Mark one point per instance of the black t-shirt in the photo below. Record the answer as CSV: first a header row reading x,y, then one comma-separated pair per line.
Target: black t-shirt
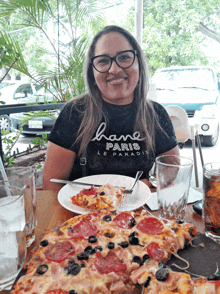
x,y
115,149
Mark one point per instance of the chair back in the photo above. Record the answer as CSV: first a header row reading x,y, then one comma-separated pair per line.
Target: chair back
x,y
180,123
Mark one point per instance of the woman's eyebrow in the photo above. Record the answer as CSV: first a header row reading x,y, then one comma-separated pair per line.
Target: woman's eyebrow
x,y
115,53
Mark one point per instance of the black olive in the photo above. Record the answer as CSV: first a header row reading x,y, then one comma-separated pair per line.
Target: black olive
x,y
191,232
98,248
111,245
162,274
161,264
74,269
147,282
44,243
133,240
88,250
214,277
179,222
133,222
42,269
109,235
114,212
71,261
82,265
72,292
70,229
123,244
137,259
132,234
92,239
94,250
107,218
82,256
146,257
102,193
186,242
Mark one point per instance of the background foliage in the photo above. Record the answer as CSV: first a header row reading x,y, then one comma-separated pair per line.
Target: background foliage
x,y
170,34
52,39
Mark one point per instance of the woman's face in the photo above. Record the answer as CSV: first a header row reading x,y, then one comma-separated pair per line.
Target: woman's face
x,y
116,85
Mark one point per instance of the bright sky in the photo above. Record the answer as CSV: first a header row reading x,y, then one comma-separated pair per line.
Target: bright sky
x,y
118,12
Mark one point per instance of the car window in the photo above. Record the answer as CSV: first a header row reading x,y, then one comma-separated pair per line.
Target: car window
x,y
185,78
25,88
37,87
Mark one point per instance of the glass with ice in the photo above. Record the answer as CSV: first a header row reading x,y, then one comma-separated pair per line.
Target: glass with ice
x,y
173,175
211,200
24,178
12,234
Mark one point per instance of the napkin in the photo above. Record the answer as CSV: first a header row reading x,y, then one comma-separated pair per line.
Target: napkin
x,y
194,195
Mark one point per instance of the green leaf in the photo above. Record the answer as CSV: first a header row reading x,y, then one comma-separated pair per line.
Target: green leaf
x,y
44,136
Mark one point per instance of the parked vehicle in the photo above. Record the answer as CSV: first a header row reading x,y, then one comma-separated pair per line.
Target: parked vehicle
x,y
14,90
197,90
10,93
37,125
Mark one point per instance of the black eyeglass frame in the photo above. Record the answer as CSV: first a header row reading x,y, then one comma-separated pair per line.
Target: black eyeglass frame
x,y
114,59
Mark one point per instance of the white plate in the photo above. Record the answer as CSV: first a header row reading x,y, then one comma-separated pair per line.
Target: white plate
x,y
131,202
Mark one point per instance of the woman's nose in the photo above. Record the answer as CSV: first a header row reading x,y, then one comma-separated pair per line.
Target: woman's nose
x,y
114,68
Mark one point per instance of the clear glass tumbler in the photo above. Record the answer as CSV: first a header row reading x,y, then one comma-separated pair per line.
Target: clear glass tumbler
x,y
24,178
12,234
173,175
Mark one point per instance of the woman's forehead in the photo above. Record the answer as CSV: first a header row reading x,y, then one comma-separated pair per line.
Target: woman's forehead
x,y
111,44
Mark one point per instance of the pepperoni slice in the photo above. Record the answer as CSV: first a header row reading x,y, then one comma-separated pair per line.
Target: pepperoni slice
x,y
109,263
123,220
150,225
83,229
90,191
59,251
57,291
155,252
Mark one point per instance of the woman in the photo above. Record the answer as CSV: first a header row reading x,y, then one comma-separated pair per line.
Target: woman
x,y
114,129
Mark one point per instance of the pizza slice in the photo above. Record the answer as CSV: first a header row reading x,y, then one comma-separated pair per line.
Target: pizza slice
x,y
104,197
105,252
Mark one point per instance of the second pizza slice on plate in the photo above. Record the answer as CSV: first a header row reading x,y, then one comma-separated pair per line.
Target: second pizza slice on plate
x,y
106,196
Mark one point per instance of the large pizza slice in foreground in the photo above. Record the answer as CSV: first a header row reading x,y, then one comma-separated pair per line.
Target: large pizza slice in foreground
x,y
109,252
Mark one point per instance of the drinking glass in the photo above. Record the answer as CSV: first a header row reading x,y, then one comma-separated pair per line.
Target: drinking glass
x,y
12,234
24,178
173,175
211,200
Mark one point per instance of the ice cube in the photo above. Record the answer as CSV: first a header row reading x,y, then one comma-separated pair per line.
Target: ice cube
x,y
8,268
8,245
12,217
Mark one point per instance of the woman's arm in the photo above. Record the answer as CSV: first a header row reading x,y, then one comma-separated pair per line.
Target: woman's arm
x,y
174,151
58,165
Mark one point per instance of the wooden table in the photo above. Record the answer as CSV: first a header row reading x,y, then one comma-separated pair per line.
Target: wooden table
x,y
50,214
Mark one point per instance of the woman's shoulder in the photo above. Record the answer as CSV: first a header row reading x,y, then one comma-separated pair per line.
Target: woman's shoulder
x,y
77,104
157,106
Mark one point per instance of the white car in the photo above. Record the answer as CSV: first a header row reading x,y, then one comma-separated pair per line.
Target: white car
x,y
197,90
10,93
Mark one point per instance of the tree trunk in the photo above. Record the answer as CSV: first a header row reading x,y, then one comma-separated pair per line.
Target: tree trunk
x,y
209,33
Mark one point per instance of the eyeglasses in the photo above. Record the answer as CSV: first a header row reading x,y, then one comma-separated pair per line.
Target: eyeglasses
x,y
124,59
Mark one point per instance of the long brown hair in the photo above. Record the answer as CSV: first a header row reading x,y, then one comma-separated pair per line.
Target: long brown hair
x,y
93,111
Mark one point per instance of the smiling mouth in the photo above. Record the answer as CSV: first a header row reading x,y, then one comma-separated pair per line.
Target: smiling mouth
x,y
116,81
